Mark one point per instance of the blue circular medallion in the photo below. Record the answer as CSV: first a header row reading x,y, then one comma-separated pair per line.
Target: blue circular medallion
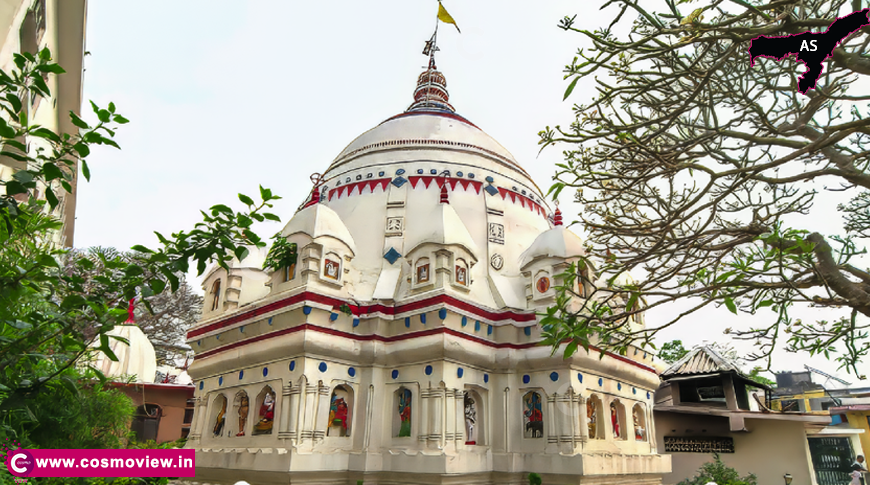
x,y
242,329
350,370
356,322
220,381
400,171
618,386
459,174
428,370
265,371
600,381
554,376
459,372
580,377
489,330
464,321
322,367
527,331
526,379
477,325
647,395
292,365
634,390
486,378
395,374
408,322
200,385
241,374
306,310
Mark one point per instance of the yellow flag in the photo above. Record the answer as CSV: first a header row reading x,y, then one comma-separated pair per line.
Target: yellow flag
x,y
445,17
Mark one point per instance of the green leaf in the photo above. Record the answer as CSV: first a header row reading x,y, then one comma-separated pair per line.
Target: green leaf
x,y
570,349
765,303
50,197
82,149
86,171
570,88
111,107
46,133
120,119
104,115
246,200
271,217
51,171
78,121
729,302
15,101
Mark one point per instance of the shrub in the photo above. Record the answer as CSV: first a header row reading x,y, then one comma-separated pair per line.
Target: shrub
x,y
721,474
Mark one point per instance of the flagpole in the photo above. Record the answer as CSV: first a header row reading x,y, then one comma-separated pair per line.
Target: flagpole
x,y
432,57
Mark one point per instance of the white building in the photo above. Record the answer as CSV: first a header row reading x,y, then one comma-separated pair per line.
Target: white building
x,y
30,26
443,250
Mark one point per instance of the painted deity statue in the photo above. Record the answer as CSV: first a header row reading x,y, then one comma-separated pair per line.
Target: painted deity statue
x,y
221,418
592,414
405,413
534,416
243,414
267,415
338,410
614,420
470,419
639,432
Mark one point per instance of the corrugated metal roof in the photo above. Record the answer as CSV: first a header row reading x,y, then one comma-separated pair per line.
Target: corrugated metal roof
x,y
702,360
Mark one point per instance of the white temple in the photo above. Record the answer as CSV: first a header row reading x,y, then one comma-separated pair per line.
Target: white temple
x,y
443,250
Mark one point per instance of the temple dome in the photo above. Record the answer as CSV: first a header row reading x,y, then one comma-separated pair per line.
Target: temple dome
x,y
138,358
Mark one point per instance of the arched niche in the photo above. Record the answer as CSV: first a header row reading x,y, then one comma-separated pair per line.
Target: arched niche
x,y
402,412
533,415
215,295
239,417
332,267
340,411
460,273
265,406
475,418
617,420
594,416
638,417
422,271
218,416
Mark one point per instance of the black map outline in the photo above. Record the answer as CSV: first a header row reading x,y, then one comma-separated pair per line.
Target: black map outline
x,y
776,42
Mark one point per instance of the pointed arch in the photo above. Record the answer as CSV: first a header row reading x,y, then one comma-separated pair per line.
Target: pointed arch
x,y
594,423
340,411
241,408
265,406
617,420
638,417
533,415
403,401
218,415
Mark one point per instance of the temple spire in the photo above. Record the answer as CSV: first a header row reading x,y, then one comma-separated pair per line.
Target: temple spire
x,y
431,92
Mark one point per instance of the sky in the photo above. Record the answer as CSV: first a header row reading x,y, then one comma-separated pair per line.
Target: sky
x,y
226,96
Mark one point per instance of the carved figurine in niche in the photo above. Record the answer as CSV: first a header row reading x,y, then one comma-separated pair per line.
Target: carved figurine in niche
x,y
243,414
470,419
533,416
423,273
404,413
614,419
338,415
221,418
267,415
592,414
330,269
461,275
639,432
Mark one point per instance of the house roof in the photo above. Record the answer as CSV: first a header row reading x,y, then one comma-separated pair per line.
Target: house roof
x,y
701,360
705,361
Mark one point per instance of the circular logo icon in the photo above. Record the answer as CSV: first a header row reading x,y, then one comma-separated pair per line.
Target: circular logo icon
x,y
20,463
543,284
497,261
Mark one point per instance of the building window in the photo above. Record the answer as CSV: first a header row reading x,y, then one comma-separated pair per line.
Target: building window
x,y
146,422
289,272
533,415
216,295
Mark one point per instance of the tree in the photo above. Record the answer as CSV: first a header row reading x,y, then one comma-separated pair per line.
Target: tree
x,y
719,473
46,309
672,351
173,313
700,173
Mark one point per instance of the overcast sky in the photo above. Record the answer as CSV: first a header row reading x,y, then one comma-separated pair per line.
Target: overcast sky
x,y
224,96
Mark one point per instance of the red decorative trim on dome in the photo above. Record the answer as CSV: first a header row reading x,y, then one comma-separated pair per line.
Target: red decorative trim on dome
x,y
440,181
493,316
444,198
524,201
557,218
359,186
